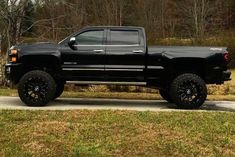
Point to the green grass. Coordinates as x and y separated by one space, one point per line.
116 133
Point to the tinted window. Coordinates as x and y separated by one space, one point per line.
90 38
124 37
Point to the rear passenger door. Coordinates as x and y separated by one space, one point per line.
125 55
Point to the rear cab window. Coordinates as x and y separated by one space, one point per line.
124 37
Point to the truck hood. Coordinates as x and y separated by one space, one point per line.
186 51
45 48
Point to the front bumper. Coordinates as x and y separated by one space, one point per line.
13 71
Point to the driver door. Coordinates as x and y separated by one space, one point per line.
86 63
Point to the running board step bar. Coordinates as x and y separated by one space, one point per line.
107 83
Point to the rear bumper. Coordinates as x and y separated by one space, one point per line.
218 76
226 76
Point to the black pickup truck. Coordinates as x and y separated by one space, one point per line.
115 55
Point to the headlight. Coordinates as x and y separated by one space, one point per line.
13 52
13 59
13 55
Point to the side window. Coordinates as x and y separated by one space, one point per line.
90 38
119 37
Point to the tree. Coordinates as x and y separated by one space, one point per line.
196 15
13 14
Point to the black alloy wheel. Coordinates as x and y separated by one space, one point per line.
188 91
36 88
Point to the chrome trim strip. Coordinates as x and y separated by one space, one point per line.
124 66
138 51
155 67
70 63
82 69
106 83
102 67
107 45
83 66
94 69
98 50
124 70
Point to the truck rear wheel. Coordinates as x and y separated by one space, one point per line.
165 94
59 89
36 88
188 91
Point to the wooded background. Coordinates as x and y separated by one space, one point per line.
167 22
53 20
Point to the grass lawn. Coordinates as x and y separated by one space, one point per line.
116 133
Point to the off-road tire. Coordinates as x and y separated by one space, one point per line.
36 88
188 91
59 89
165 94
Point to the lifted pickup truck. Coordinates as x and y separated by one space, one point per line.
116 55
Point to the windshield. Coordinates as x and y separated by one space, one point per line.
67 38
63 40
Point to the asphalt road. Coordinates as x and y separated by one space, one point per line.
111 104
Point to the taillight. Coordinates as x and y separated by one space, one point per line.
226 57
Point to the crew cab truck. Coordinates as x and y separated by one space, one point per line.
116 55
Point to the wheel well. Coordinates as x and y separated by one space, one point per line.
50 64
181 66
195 66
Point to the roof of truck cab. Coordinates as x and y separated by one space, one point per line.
103 27
113 27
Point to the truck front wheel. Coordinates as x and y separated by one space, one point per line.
188 91
165 94
59 89
36 88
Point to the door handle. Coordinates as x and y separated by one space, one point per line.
98 51
138 51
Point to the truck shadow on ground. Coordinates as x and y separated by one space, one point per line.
132 104
212 106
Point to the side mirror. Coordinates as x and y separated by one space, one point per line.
72 43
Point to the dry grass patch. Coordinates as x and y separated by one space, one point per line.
116 133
